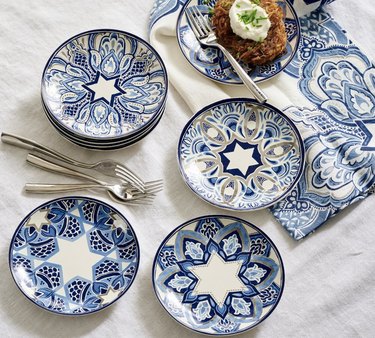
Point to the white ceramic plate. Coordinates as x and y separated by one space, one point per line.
74 255
210 61
104 85
218 275
239 154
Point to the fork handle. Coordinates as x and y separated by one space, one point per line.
49 165
45 188
28 144
246 79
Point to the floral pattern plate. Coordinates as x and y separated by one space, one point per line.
210 61
104 85
239 154
218 275
74 255
104 145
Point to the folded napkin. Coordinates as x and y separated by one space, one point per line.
328 90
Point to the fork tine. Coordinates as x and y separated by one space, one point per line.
154 190
135 179
137 195
150 191
141 201
150 184
155 185
205 29
130 180
129 174
153 182
140 198
136 202
143 186
204 19
197 30
127 170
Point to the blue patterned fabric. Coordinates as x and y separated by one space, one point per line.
334 108
162 8
339 81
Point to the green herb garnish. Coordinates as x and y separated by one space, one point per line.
249 17
260 18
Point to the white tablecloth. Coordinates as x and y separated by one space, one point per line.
329 275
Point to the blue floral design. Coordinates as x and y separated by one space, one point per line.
340 171
339 82
44 278
318 31
261 133
162 8
348 84
234 242
124 63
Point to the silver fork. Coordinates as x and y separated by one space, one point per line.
106 167
122 193
116 191
206 36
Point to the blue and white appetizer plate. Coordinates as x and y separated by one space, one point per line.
240 154
104 85
218 275
74 255
211 62
89 144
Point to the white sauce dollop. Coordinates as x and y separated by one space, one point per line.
249 20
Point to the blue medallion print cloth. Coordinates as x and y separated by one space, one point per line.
331 89
338 127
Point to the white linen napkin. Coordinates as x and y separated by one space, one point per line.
328 90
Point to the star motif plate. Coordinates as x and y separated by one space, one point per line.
241 155
104 85
74 255
210 61
218 275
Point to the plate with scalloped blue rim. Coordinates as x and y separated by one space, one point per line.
240 154
74 256
210 61
104 85
218 275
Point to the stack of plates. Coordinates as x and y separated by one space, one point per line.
104 89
